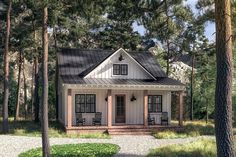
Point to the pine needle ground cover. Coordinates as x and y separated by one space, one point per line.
77 150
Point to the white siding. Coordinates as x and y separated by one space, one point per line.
134 109
166 105
101 105
105 70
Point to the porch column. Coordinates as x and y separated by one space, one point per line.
69 109
145 108
181 93
109 108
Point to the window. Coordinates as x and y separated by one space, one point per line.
85 103
154 103
120 69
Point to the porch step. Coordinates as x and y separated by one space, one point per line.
133 131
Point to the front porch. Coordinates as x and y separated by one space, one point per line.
109 124
123 129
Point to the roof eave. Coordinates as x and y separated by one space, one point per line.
130 87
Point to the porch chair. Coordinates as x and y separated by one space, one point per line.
98 118
151 120
79 119
164 118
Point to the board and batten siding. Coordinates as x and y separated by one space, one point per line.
134 109
105 70
166 105
101 105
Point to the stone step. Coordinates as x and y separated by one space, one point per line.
130 131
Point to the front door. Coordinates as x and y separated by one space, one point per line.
120 108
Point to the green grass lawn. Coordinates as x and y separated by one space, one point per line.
29 128
190 129
200 148
77 150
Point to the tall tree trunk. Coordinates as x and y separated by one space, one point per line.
167 41
6 72
56 75
25 90
32 93
207 110
191 91
36 90
18 87
36 79
223 93
45 140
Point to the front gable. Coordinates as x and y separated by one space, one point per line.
105 69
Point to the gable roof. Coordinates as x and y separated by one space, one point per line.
80 62
147 60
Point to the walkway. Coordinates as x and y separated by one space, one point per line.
12 146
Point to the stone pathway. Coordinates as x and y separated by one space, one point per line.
131 146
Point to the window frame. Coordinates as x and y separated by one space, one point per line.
119 69
86 104
152 104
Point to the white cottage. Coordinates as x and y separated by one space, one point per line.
105 90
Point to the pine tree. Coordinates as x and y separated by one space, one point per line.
223 93
45 138
6 71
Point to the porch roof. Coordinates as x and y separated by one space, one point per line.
160 84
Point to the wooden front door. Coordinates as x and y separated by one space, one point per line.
120 109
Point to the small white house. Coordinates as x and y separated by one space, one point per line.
127 88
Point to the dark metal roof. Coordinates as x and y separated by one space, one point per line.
69 79
81 62
148 61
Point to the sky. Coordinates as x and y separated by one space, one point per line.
209 26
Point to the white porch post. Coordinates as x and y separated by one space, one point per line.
145 108
109 108
69 109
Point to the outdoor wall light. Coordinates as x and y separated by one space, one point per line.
133 98
121 57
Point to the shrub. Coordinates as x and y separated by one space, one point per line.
169 135
95 135
77 150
